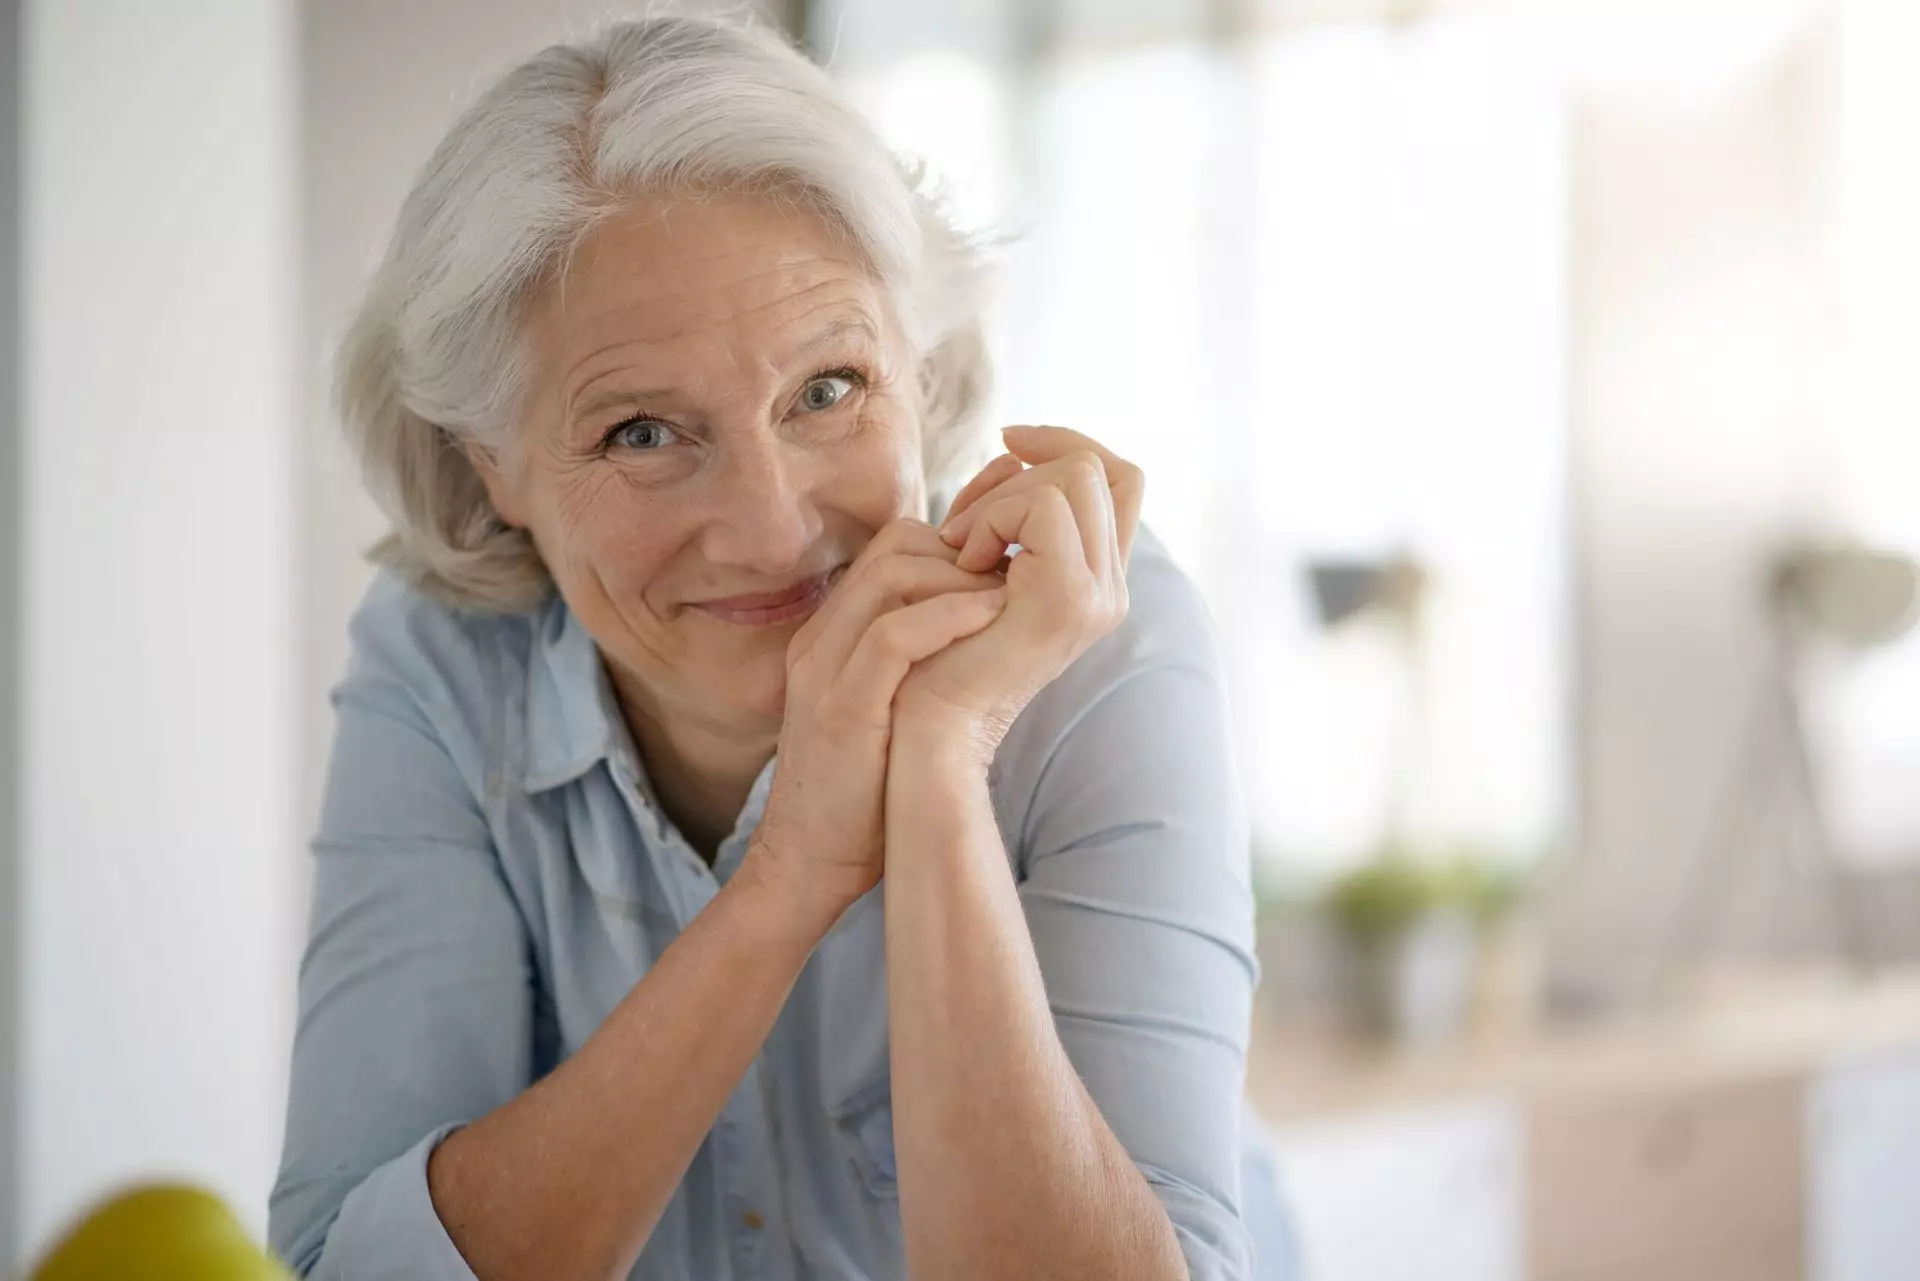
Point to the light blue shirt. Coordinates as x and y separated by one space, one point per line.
492 875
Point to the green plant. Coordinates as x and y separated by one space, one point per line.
1484 888
1381 898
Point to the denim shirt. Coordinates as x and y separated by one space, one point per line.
492 875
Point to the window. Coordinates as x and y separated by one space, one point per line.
1314 282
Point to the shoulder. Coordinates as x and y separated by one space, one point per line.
419 657
1167 626
1167 618
1165 655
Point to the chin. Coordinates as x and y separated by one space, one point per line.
760 685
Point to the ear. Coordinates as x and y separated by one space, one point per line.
503 490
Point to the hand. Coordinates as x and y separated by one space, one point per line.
903 598
1073 512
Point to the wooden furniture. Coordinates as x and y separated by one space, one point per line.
1765 1135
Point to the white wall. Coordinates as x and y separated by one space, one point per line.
9 619
1701 288
159 848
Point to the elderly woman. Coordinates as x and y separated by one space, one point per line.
726 871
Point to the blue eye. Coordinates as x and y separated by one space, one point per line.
643 434
825 392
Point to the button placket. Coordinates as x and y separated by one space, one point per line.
745 1238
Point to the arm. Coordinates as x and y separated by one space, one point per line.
415 1148
1006 1166
569 1178
1135 882
1068 1079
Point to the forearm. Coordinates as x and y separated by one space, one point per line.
1006 1166
569 1179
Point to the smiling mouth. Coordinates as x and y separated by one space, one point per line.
764 609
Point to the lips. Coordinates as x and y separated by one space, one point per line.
760 609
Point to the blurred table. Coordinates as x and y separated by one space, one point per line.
1766 1131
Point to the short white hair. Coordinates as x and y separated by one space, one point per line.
675 103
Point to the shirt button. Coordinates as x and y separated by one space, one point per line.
753 1220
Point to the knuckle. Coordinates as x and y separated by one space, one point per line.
883 572
906 531
1088 463
875 575
832 718
889 635
899 575
885 539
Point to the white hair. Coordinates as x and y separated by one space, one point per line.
670 104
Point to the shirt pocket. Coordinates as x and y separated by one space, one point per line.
863 1131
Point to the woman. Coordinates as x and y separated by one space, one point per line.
656 382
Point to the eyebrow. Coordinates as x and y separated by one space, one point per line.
855 326
829 336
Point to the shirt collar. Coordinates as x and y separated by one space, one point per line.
573 717
570 704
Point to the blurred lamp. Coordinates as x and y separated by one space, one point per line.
1392 589
1344 589
1845 598
1852 596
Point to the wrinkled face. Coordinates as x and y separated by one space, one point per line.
720 415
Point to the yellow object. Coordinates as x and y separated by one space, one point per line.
159 1232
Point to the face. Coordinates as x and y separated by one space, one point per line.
720 415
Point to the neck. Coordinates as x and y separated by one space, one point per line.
702 769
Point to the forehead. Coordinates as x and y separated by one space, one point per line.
668 278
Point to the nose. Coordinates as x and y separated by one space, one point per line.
763 516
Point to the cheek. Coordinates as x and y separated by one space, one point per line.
601 534
882 477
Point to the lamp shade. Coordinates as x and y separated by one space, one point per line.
1852 595
1343 588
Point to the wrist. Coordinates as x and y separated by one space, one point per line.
937 777
790 906
939 741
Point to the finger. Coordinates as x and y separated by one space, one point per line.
1082 477
985 481
882 586
1035 445
902 637
904 535
1040 520
953 531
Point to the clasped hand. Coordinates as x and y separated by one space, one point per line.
938 639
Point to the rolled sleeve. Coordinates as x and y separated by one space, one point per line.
387 1229
1136 888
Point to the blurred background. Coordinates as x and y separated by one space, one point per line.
1532 386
